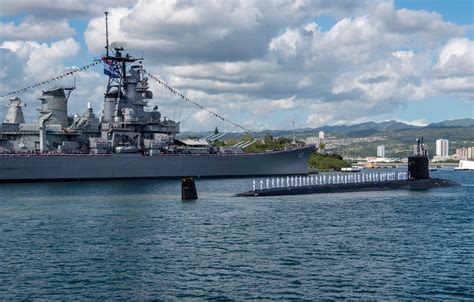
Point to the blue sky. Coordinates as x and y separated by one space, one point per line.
323 62
459 11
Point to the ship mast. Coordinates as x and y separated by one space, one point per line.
106 35
116 63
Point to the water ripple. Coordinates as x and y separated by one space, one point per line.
136 240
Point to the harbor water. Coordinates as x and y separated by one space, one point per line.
137 240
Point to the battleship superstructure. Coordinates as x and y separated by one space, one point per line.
126 141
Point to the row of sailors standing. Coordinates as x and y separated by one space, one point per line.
299 181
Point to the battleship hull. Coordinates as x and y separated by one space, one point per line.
25 168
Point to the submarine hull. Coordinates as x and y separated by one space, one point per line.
410 184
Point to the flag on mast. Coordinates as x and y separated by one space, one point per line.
109 69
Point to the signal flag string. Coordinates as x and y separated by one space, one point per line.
185 98
172 90
75 70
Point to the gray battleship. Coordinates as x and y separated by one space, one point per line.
126 141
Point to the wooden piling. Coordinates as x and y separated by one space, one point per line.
188 189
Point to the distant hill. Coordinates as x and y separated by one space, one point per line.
372 126
387 128
398 137
465 122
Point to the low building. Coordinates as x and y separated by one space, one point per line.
465 153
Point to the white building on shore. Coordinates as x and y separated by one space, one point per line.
442 150
321 137
381 151
465 153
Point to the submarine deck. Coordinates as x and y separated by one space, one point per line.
406 184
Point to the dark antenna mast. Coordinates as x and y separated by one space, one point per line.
106 35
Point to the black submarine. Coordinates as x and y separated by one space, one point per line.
416 178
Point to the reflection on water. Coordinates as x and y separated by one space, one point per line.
138 240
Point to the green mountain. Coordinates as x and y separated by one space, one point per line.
465 122
458 128
362 139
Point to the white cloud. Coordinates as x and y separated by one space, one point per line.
27 63
456 58
43 60
90 87
207 31
401 76
264 64
417 122
36 29
454 71
59 9
286 44
212 84
194 31
428 26
95 32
